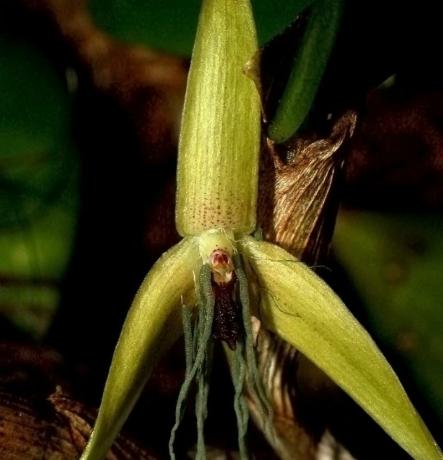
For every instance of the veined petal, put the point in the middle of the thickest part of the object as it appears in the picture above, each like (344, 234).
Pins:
(153, 324)
(298, 306)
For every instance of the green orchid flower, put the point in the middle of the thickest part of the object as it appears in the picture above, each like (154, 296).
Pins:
(218, 267)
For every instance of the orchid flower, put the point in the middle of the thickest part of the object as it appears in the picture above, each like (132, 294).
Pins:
(219, 276)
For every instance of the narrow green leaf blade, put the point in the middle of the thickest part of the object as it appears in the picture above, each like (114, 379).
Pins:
(298, 306)
(307, 72)
(220, 133)
(153, 324)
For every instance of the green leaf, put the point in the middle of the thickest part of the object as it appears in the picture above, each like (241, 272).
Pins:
(36, 153)
(307, 72)
(39, 248)
(400, 284)
(34, 101)
(298, 306)
(38, 185)
(33, 260)
(217, 172)
(29, 306)
(153, 324)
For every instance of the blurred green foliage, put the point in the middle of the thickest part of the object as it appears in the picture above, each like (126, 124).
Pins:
(38, 174)
(394, 260)
(34, 129)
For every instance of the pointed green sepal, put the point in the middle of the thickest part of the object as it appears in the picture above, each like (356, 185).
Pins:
(153, 324)
(298, 306)
(220, 131)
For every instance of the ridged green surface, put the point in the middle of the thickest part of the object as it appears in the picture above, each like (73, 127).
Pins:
(152, 325)
(220, 133)
(298, 306)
